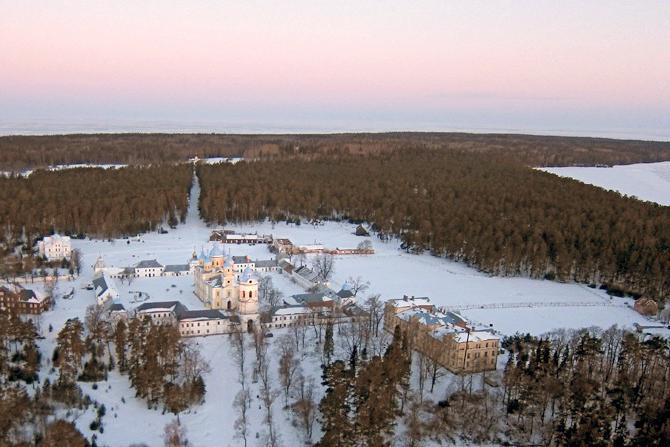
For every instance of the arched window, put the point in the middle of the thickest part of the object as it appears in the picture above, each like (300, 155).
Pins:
(251, 294)
(243, 294)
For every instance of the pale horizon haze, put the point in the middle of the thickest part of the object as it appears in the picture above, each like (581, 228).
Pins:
(599, 68)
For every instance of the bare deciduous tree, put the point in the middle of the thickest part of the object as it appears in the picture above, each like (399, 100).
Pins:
(365, 245)
(174, 435)
(268, 395)
(241, 404)
(75, 261)
(375, 308)
(305, 407)
(358, 285)
(192, 364)
(239, 356)
(324, 265)
(355, 334)
(288, 364)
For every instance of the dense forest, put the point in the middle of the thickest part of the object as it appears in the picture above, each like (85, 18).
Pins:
(92, 201)
(22, 152)
(486, 211)
(164, 370)
(585, 388)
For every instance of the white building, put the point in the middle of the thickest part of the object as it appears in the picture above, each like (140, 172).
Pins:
(176, 270)
(266, 266)
(195, 323)
(55, 248)
(161, 312)
(105, 293)
(149, 268)
(191, 323)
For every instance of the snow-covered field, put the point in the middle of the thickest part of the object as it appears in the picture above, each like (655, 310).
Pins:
(646, 181)
(509, 304)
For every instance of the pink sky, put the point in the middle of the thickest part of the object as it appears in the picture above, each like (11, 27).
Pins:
(378, 56)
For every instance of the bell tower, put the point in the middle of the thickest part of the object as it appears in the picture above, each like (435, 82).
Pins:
(248, 298)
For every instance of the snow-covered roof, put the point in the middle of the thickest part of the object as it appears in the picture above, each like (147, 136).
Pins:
(247, 275)
(113, 270)
(176, 268)
(25, 295)
(56, 238)
(216, 251)
(148, 263)
(241, 259)
(162, 306)
(448, 323)
(307, 273)
(345, 293)
(117, 307)
(241, 236)
(205, 314)
(312, 247)
(409, 302)
(32, 296)
(290, 301)
(292, 310)
(312, 297)
(100, 285)
(265, 263)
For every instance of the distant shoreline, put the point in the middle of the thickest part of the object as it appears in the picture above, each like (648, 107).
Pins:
(20, 129)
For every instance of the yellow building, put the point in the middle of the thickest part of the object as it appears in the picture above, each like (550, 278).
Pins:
(445, 337)
(221, 284)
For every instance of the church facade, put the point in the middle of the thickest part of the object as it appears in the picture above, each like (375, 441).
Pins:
(221, 283)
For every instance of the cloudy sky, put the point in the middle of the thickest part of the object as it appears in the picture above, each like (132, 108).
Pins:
(595, 67)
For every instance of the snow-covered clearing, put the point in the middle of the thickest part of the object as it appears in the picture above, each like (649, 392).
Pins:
(217, 160)
(646, 181)
(393, 273)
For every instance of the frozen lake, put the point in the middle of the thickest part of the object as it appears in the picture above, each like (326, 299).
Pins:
(646, 181)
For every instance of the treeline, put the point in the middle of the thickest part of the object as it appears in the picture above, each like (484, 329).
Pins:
(578, 388)
(22, 152)
(496, 215)
(92, 201)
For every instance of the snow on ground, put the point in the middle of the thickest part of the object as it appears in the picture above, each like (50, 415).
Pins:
(393, 273)
(510, 304)
(646, 181)
(28, 172)
(217, 160)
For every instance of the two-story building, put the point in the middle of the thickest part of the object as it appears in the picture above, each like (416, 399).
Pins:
(55, 247)
(148, 268)
(17, 300)
(446, 337)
